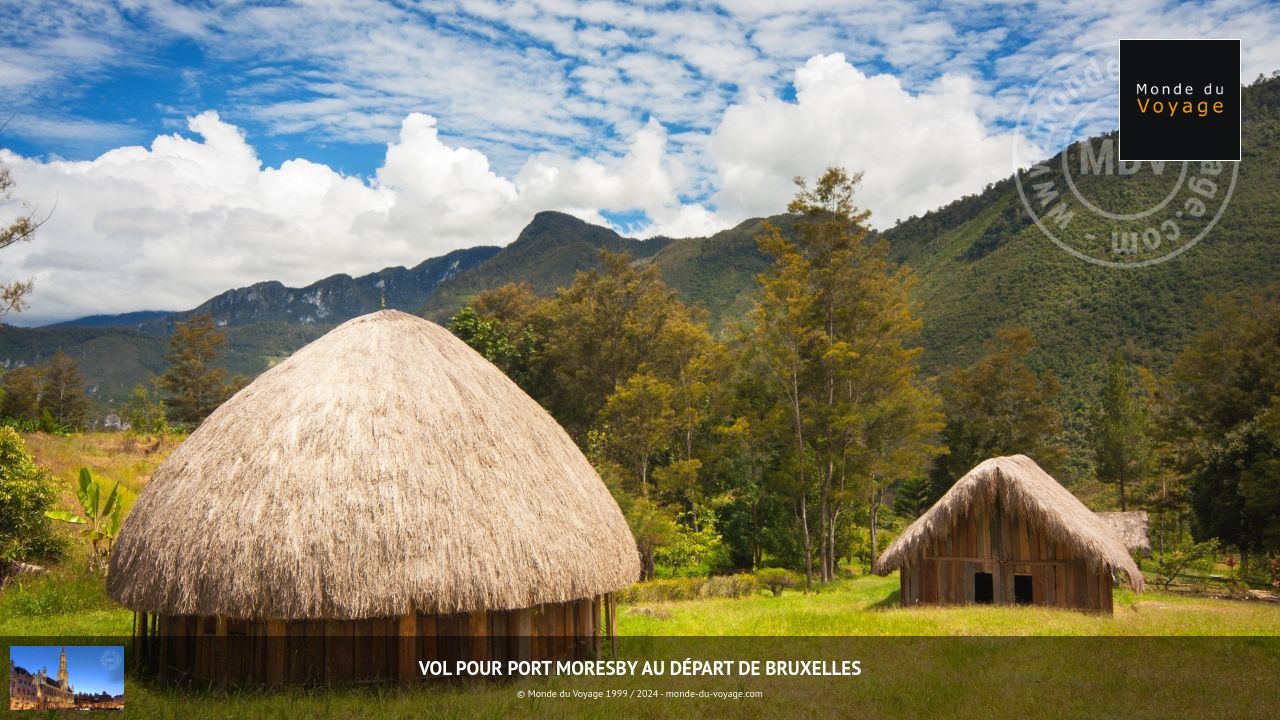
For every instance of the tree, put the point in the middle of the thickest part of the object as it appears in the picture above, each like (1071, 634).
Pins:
(832, 334)
(598, 332)
(144, 412)
(639, 422)
(1223, 420)
(998, 406)
(499, 324)
(26, 492)
(63, 393)
(22, 388)
(13, 294)
(1122, 447)
(194, 387)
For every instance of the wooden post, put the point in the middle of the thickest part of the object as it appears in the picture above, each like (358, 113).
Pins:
(520, 626)
(409, 645)
(595, 628)
(162, 625)
(277, 651)
(220, 650)
(613, 625)
(478, 635)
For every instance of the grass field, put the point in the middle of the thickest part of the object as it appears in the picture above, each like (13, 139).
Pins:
(953, 672)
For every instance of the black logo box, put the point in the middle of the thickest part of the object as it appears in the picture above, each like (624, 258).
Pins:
(1187, 68)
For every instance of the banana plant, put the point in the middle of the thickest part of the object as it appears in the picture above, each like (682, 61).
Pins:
(101, 519)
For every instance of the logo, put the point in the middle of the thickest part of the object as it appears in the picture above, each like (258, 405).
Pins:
(111, 658)
(1086, 199)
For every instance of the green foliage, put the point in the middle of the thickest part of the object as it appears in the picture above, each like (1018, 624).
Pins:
(1197, 556)
(691, 552)
(144, 413)
(194, 386)
(778, 579)
(100, 517)
(1225, 420)
(22, 386)
(1122, 447)
(26, 492)
(913, 497)
(690, 588)
(999, 406)
(831, 339)
(63, 393)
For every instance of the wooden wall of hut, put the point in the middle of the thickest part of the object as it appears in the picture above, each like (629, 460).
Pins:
(223, 651)
(1006, 546)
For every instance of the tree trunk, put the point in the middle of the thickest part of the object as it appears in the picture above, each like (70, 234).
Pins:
(808, 544)
(874, 513)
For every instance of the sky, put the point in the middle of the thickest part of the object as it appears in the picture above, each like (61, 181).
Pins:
(181, 149)
(91, 669)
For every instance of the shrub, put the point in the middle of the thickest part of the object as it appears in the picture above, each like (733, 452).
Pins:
(1200, 556)
(692, 553)
(25, 493)
(777, 579)
(689, 588)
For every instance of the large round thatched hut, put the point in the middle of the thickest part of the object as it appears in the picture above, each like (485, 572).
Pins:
(383, 496)
(1007, 532)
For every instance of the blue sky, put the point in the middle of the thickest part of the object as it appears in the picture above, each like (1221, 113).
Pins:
(86, 669)
(193, 147)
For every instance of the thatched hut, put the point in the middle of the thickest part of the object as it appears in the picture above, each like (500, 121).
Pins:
(1132, 527)
(383, 496)
(1007, 532)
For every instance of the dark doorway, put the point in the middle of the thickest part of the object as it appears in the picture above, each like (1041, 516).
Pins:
(983, 588)
(1022, 589)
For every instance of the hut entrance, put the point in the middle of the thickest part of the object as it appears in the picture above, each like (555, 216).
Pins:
(983, 588)
(1022, 593)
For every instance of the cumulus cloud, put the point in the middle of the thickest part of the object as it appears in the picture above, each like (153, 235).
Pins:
(169, 225)
(918, 151)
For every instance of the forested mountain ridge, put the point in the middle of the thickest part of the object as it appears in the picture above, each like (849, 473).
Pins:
(980, 264)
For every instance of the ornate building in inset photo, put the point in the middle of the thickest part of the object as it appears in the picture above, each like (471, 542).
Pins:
(39, 691)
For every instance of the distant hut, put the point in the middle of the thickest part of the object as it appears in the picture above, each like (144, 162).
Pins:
(383, 496)
(1132, 527)
(1007, 532)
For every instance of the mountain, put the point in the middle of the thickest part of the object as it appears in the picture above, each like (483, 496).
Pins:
(980, 263)
(263, 324)
(547, 253)
(130, 319)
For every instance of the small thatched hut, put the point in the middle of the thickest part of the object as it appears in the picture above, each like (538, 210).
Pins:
(1132, 527)
(1007, 532)
(383, 496)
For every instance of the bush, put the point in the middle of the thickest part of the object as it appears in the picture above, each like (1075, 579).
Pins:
(689, 588)
(691, 553)
(777, 579)
(25, 493)
(1197, 556)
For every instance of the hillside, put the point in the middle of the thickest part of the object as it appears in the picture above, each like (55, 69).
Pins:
(980, 262)
(547, 253)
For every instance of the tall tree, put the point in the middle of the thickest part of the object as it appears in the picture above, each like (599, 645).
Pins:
(998, 406)
(22, 388)
(194, 387)
(1224, 387)
(598, 332)
(1122, 446)
(833, 329)
(63, 392)
(639, 421)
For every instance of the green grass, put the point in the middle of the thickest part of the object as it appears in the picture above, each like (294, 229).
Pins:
(868, 607)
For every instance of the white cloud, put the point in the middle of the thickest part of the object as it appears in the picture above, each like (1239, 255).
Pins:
(170, 225)
(917, 151)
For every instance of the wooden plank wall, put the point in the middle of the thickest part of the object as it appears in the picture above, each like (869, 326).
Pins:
(1004, 545)
(220, 651)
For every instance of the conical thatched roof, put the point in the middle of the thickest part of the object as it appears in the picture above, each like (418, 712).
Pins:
(1022, 487)
(1131, 526)
(383, 466)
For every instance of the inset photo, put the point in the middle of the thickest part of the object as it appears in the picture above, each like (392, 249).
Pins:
(72, 677)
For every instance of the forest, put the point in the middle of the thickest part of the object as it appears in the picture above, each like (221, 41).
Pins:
(796, 440)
